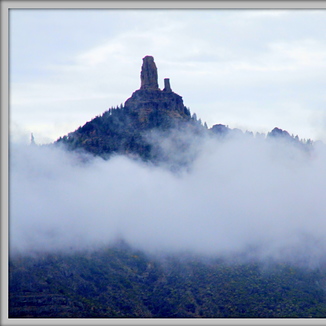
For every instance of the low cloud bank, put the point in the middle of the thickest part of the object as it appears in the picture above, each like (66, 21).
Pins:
(239, 193)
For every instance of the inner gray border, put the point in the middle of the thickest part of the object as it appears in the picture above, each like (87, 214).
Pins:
(166, 4)
(88, 4)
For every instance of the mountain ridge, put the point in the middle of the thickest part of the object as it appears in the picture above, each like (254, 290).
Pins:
(128, 128)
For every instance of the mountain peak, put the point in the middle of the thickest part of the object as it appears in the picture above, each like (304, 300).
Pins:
(150, 102)
(125, 129)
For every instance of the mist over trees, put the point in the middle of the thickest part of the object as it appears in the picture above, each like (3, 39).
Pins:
(211, 194)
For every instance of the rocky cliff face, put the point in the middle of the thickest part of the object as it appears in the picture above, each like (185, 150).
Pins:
(148, 75)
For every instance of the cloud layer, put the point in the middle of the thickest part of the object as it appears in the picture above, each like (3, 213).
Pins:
(239, 193)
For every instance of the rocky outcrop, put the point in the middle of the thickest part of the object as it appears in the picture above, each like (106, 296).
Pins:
(151, 101)
(167, 87)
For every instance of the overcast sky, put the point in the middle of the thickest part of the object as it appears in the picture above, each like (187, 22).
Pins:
(249, 69)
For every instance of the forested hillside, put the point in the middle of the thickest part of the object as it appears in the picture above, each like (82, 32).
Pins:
(121, 282)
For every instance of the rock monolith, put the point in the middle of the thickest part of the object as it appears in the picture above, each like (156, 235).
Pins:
(148, 75)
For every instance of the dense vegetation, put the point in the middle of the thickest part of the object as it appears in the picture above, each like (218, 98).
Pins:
(121, 131)
(121, 282)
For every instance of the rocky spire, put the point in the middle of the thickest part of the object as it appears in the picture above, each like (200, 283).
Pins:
(148, 75)
(167, 87)
(152, 104)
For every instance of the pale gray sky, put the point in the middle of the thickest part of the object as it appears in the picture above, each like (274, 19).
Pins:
(249, 69)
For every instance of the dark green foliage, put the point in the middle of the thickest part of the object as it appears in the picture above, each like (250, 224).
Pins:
(122, 131)
(121, 282)
(113, 132)
(127, 131)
